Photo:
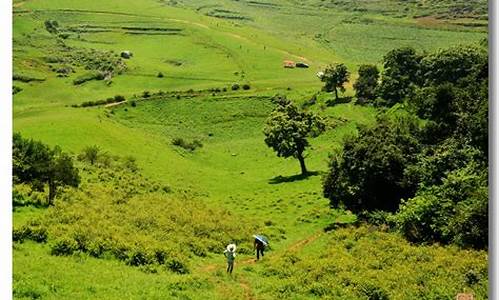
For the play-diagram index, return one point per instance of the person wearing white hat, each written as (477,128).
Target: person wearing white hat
(230,254)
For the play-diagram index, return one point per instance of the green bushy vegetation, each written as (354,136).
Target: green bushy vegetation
(191,146)
(433,169)
(119,213)
(333,270)
(36,164)
(25,78)
(110,100)
(16,89)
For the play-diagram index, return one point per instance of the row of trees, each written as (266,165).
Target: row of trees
(423,166)
(424,163)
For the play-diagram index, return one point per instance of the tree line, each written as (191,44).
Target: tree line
(423,167)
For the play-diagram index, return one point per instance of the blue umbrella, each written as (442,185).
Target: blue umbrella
(262,238)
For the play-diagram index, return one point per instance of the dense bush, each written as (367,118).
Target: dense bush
(119,98)
(37,234)
(146,94)
(51,26)
(25,78)
(115,99)
(439,168)
(454,211)
(188,145)
(334,271)
(88,77)
(16,89)
(369,173)
(121,214)
(90,154)
(401,73)
(63,246)
(99,61)
(367,83)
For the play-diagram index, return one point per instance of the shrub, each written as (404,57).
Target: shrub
(51,26)
(90,154)
(119,98)
(369,173)
(177,266)
(140,257)
(133,103)
(88,77)
(235,87)
(372,292)
(246,86)
(454,211)
(130,163)
(64,246)
(25,78)
(16,89)
(146,94)
(160,75)
(191,146)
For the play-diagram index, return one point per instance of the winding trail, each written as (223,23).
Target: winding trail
(243,282)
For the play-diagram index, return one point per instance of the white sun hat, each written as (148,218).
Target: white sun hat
(231,247)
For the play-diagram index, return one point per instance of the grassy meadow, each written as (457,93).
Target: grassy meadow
(151,218)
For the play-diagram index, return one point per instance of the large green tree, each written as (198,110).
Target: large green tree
(334,77)
(35,163)
(288,128)
(367,83)
(434,173)
(368,174)
(401,74)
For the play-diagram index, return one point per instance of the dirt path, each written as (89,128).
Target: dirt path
(115,104)
(247,289)
(243,282)
(301,243)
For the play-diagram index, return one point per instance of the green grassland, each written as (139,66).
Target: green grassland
(233,185)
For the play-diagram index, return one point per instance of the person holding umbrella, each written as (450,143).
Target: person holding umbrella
(260,244)
(230,254)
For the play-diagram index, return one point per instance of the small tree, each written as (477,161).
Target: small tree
(35,163)
(91,153)
(287,129)
(367,82)
(334,77)
(61,172)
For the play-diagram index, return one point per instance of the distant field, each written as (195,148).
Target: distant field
(187,56)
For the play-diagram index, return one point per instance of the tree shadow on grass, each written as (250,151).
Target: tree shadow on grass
(281,179)
(341,100)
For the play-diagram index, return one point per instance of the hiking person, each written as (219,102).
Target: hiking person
(259,246)
(230,254)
